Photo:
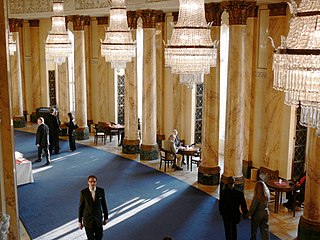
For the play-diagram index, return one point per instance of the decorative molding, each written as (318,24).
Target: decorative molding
(34,23)
(78,22)
(175,16)
(253,12)
(91,4)
(132,19)
(238,11)
(278,9)
(213,13)
(102,20)
(30,6)
(149,17)
(261,74)
(14,24)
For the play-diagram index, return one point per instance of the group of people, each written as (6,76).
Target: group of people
(47,135)
(172,145)
(231,200)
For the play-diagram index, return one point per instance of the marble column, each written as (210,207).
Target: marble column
(160,35)
(209,170)
(131,142)
(15,71)
(35,63)
(235,110)
(149,148)
(8,187)
(88,37)
(80,77)
(309,224)
(63,98)
(250,50)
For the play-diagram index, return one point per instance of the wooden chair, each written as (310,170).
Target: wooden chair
(164,158)
(99,133)
(266,174)
(196,159)
(296,201)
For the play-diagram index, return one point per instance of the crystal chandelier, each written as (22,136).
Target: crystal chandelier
(12,44)
(296,62)
(190,51)
(118,46)
(58,44)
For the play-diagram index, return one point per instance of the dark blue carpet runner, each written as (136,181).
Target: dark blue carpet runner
(143,203)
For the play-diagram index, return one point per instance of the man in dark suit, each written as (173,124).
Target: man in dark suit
(229,204)
(42,140)
(54,130)
(92,205)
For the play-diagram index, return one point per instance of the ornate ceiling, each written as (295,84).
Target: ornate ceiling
(26,9)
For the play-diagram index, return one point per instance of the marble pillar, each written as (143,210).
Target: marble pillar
(80,78)
(279,119)
(149,148)
(309,224)
(160,33)
(131,142)
(35,63)
(15,72)
(209,170)
(250,50)
(8,187)
(235,110)
(63,98)
(87,35)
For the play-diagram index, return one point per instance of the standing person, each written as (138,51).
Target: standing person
(42,140)
(71,127)
(92,204)
(169,146)
(259,211)
(54,131)
(229,204)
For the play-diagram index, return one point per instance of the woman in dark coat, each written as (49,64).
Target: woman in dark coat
(71,127)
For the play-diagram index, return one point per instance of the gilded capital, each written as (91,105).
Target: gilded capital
(213,13)
(14,24)
(78,22)
(34,23)
(132,19)
(175,16)
(102,20)
(278,9)
(238,11)
(149,17)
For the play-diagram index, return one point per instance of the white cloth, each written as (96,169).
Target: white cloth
(24,171)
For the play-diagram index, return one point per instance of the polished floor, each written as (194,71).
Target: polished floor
(282,224)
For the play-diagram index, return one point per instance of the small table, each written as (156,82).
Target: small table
(279,186)
(188,151)
(117,128)
(24,171)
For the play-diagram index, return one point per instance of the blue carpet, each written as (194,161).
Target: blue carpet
(144,203)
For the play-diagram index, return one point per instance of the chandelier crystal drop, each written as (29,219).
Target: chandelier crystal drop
(58,44)
(190,51)
(118,46)
(12,44)
(296,62)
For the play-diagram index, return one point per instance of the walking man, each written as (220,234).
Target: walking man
(42,140)
(92,205)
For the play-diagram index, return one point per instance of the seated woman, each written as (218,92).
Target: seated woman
(299,190)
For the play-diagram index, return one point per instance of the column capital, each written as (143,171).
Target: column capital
(102,20)
(175,16)
(132,19)
(213,13)
(149,17)
(253,12)
(238,11)
(14,24)
(78,21)
(278,9)
(161,18)
(34,23)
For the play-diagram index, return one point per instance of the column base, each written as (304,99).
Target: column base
(239,183)
(131,146)
(149,152)
(209,175)
(308,230)
(246,168)
(82,133)
(19,122)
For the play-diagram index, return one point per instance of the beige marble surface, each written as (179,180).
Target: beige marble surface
(35,70)
(62,89)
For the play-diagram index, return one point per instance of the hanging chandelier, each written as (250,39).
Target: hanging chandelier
(190,51)
(12,44)
(118,46)
(58,44)
(296,62)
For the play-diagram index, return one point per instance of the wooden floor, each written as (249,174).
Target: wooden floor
(282,224)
